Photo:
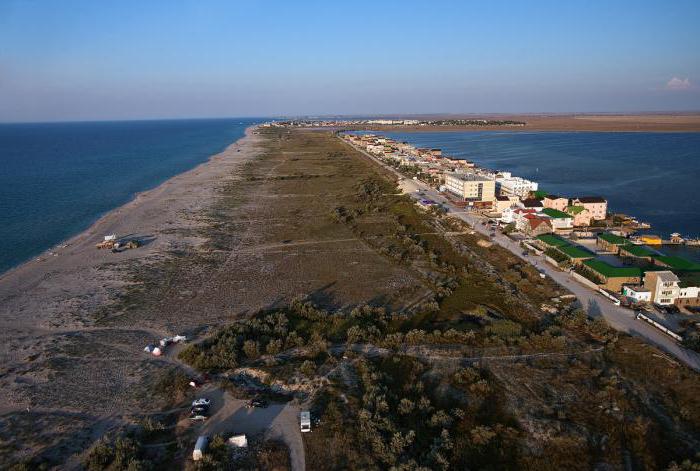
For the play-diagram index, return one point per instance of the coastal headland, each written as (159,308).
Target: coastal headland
(293,260)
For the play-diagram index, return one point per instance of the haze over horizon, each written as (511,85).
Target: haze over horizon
(82,60)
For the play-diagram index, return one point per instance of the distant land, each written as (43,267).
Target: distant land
(646,122)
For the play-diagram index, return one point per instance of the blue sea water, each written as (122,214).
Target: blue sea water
(652,176)
(58,178)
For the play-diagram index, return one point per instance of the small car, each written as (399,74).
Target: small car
(199,415)
(202,401)
(261,403)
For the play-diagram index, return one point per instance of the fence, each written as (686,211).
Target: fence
(583,280)
(659,326)
(612,298)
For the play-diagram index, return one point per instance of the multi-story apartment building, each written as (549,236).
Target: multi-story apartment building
(596,206)
(664,286)
(470,187)
(508,185)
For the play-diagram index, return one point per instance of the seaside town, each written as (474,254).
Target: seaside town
(331,123)
(575,233)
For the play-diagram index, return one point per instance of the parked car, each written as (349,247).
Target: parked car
(199,413)
(202,401)
(261,403)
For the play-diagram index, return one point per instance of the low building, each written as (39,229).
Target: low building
(457,162)
(637,293)
(470,187)
(531,203)
(504,202)
(561,221)
(688,290)
(536,225)
(637,254)
(519,216)
(613,278)
(610,242)
(582,217)
(675,263)
(549,241)
(596,206)
(508,185)
(575,253)
(664,286)
(555,202)
(688,296)
(650,239)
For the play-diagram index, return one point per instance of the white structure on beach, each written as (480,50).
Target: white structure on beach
(509,185)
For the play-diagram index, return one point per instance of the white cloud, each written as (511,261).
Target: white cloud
(678,84)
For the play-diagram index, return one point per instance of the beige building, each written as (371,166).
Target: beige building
(504,202)
(471,187)
(596,206)
(555,202)
(664,286)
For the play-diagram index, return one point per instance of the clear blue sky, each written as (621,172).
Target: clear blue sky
(87,59)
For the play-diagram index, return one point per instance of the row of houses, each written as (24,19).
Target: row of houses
(643,276)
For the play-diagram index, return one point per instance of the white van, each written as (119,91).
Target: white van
(199,448)
(305,421)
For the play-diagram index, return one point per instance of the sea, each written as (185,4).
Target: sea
(654,177)
(56,179)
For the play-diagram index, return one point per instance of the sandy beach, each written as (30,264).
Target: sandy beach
(234,235)
(48,306)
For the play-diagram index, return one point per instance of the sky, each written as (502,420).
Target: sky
(135,59)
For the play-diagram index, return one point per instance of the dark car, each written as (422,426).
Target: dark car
(261,403)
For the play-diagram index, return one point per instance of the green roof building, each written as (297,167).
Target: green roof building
(612,238)
(677,263)
(610,242)
(551,240)
(555,213)
(575,253)
(613,277)
(637,251)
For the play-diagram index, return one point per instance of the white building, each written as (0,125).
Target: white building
(639,294)
(664,286)
(688,293)
(508,185)
(514,214)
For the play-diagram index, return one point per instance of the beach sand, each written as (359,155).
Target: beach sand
(53,352)
(246,230)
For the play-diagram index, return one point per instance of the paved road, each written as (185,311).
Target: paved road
(594,303)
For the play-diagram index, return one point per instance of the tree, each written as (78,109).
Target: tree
(251,350)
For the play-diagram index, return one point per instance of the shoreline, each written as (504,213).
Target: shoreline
(107,216)
(49,294)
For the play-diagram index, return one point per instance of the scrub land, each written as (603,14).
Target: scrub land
(301,273)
